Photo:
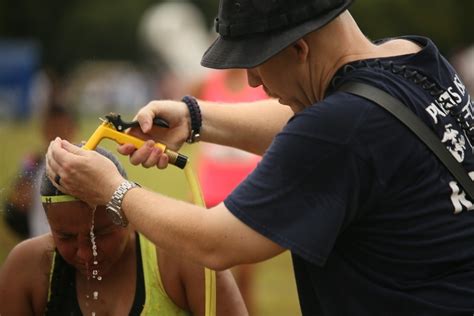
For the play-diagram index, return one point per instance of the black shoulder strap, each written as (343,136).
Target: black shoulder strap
(417,126)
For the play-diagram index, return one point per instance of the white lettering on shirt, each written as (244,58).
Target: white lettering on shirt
(458,197)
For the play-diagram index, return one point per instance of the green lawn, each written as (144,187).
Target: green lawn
(274,283)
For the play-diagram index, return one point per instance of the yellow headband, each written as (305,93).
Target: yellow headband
(57,198)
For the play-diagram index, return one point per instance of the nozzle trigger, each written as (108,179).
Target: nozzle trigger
(121,125)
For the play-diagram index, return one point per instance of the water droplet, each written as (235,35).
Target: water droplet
(94,245)
(95,272)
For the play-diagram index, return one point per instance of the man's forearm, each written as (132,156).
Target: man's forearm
(248,126)
(172,225)
(214,238)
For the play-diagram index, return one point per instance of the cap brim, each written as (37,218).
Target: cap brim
(249,52)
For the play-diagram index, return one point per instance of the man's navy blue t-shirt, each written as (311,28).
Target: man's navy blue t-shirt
(375,223)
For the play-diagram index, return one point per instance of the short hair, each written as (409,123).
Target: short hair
(48,189)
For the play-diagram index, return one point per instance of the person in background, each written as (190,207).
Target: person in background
(463,61)
(172,34)
(221,168)
(23,211)
(375,223)
(88,265)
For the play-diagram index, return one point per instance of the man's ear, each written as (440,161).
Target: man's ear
(301,48)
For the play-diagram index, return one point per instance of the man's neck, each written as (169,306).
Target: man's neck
(342,42)
(338,43)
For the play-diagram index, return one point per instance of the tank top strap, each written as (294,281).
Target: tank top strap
(157,302)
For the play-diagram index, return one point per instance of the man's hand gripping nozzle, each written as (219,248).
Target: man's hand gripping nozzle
(113,128)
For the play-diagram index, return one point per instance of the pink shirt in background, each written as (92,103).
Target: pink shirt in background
(220,168)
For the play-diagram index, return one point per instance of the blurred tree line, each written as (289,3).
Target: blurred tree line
(74,30)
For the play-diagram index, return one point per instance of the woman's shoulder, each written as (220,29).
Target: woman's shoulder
(25,272)
(35,245)
(32,251)
(30,260)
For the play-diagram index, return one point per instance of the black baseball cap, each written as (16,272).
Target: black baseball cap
(252,31)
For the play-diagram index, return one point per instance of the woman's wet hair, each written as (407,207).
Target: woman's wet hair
(48,189)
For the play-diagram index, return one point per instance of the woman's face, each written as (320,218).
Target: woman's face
(71,229)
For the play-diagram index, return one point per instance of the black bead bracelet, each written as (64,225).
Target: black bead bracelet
(196,119)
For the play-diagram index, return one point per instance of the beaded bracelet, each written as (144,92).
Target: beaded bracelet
(196,118)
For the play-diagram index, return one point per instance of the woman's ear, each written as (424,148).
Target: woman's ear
(301,48)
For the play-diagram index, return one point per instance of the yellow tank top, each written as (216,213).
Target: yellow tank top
(157,301)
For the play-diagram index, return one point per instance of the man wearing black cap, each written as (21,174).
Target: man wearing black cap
(375,223)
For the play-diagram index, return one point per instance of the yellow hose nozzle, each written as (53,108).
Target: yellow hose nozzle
(107,130)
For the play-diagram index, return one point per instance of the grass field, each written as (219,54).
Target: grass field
(274,283)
